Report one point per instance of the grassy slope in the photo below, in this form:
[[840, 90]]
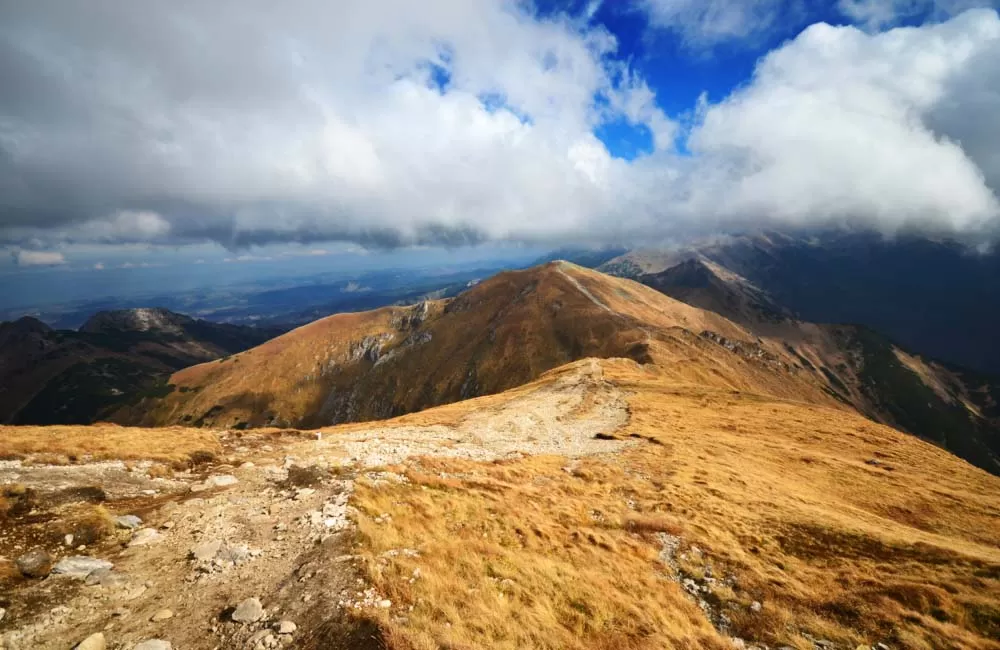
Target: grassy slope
[[777, 496], [500, 334]]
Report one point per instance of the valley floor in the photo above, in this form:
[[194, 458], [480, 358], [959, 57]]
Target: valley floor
[[598, 507]]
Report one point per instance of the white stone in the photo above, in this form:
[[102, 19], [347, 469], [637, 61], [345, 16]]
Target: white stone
[[145, 536], [206, 550], [153, 644], [287, 627], [80, 566], [130, 522]]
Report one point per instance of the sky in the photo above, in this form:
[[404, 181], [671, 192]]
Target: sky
[[141, 134]]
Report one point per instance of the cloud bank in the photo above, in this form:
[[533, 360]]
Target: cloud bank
[[393, 123]]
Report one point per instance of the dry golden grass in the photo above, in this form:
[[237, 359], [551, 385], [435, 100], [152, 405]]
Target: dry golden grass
[[62, 444], [777, 495]]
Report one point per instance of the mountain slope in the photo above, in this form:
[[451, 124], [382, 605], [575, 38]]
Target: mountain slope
[[499, 334], [52, 376], [604, 505], [954, 408], [933, 296]]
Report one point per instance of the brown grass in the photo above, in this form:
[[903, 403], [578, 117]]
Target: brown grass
[[59, 443], [775, 495]]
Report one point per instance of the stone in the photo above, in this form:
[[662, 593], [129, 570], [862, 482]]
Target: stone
[[385, 604], [3, 612], [221, 480], [153, 644], [129, 522], [68, 540], [206, 550], [248, 611], [162, 615], [247, 465], [287, 627], [80, 566], [755, 606], [167, 525], [97, 576], [145, 537], [34, 564], [93, 642]]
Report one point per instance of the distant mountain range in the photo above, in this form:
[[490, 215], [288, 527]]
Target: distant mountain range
[[934, 296], [50, 376]]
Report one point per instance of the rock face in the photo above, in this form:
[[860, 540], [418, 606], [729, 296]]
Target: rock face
[[249, 611], [80, 566], [93, 642], [35, 564]]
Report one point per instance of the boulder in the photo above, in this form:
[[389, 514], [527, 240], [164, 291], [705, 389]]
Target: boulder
[[130, 522], [34, 564], [286, 627], [205, 551], [249, 611], [80, 566]]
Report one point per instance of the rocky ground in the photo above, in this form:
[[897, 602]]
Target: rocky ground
[[254, 549]]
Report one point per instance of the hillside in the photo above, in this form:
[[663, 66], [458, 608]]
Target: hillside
[[502, 333], [934, 296], [52, 376], [604, 505], [952, 407]]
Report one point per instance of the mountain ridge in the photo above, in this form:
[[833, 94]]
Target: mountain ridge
[[64, 376]]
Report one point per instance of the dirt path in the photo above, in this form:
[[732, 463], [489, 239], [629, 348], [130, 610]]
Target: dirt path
[[281, 532]]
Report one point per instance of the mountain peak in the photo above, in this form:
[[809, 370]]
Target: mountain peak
[[27, 325], [705, 284], [140, 319]]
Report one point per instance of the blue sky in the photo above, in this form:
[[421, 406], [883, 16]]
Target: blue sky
[[145, 135]]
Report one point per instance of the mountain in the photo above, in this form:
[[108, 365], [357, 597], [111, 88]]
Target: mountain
[[950, 406], [499, 334], [937, 297], [50, 376], [607, 467]]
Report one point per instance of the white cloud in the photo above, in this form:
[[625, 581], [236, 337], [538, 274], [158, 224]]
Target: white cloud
[[99, 266], [316, 121], [39, 258], [840, 125], [877, 14], [703, 23]]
